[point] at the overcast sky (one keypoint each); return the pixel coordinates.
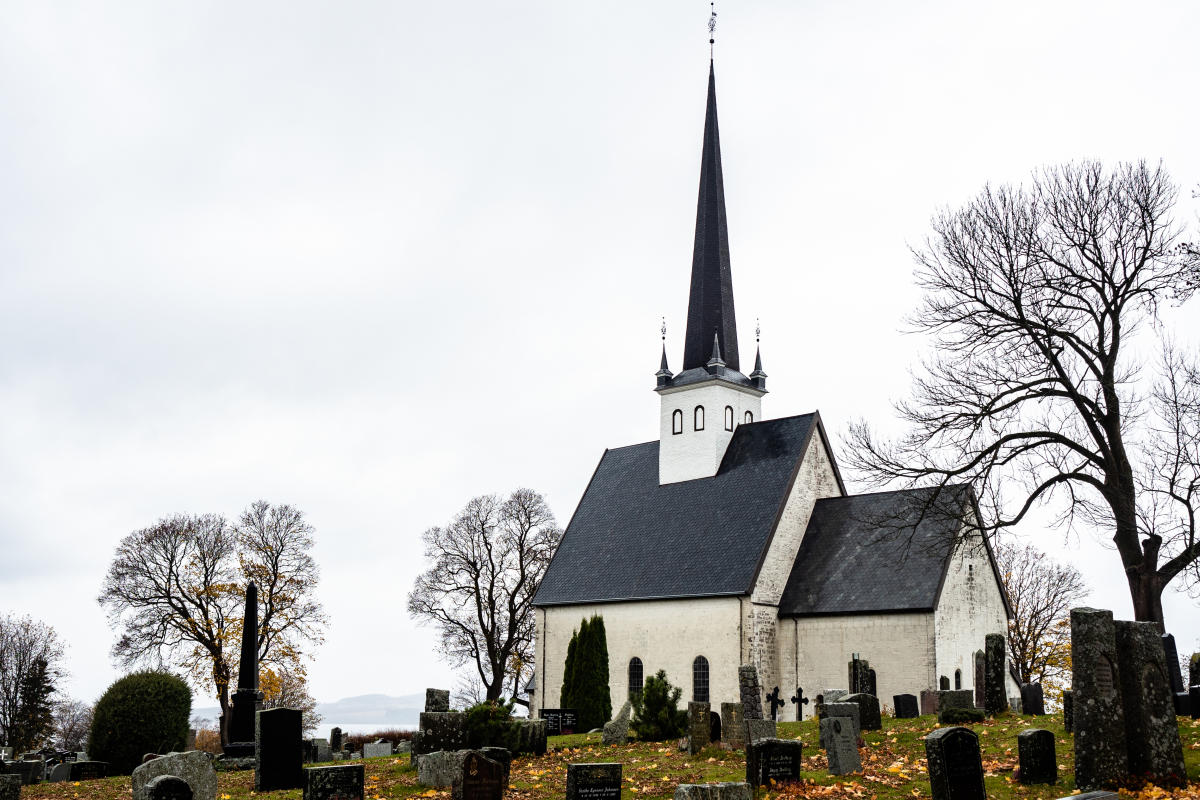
(373, 259)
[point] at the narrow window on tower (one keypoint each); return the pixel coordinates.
(728, 418)
(635, 677)
(698, 422)
(749, 416)
(700, 680)
(957, 679)
(677, 421)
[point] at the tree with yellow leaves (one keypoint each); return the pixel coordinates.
(175, 591)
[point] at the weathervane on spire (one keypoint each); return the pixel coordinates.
(712, 27)
(664, 330)
(757, 330)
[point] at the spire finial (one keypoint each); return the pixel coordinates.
(664, 372)
(712, 27)
(757, 330)
(664, 330)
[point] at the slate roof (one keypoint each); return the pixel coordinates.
(862, 554)
(632, 539)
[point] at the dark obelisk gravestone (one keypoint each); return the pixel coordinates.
(481, 779)
(167, 787)
(247, 699)
(1151, 730)
(1033, 701)
(905, 706)
(340, 782)
(1101, 760)
(955, 766)
(1035, 749)
(279, 750)
(995, 699)
(594, 781)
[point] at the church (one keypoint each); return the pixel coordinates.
(731, 539)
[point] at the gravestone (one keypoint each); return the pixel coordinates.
(480, 779)
(834, 695)
(1068, 703)
(1172, 656)
(1101, 757)
(594, 781)
(616, 731)
(437, 700)
(31, 770)
(714, 791)
(441, 769)
(962, 698)
(1194, 670)
(995, 699)
(775, 702)
(774, 760)
(944, 684)
(849, 713)
(697, 727)
(954, 763)
(869, 718)
(559, 721)
(858, 675)
(168, 787)
(335, 740)
(980, 671)
(714, 727)
(905, 706)
(194, 766)
(1035, 751)
(750, 691)
(10, 785)
(246, 701)
(531, 736)
(1151, 731)
(323, 751)
(871, 688)
(441, 730)
(6, 753)
(1194, 700)
(59, 773)
(759, 729)
(377, 749)
(1183, 704)
(339, 782)
(278, 755)
(840, 741)
(929, 701)
(800, 701)
(1033, 701)
(733, 725)
(502, 757)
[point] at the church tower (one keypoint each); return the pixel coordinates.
(710, 397)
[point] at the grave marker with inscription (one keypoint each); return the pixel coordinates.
(905, 706)
(995, 699)
(954, 763)
(1101, 757)
(559, 721)
(168, 787)
(594, 781)
(775, 760)
(1035, 751)
(840, 741)
(698, 727)
(733, 725)
(1151, 731)
(480, 779)
(339, 782)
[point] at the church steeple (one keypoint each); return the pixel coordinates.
(710, 302)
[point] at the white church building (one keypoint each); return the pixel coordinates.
(731, 539)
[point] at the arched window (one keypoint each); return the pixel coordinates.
(635, 677)
(958, 679)
(700, 680)
(728, 418)
(698, 418)
(749, 416)
(677, 421)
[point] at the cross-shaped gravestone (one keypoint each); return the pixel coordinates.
(800, 700)
(775, 701)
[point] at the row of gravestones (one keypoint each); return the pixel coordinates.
(35, 770)
(955, 762)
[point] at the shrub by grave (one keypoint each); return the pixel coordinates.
(144, 712)
(490, 724)
(656, 710)
(957, 716)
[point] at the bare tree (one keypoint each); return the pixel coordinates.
(478, 592)
(1041, 593)
(284, 689)
(72, 721)
(1032, 297)
(175, 593)
(31, 657)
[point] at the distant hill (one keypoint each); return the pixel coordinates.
(364, 709)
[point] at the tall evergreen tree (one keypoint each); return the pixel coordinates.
(599, 696)
(34, 718)
(566, 695)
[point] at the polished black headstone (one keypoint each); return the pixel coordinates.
(954, 763)
(772, 760)
(869, 718)
(279, 750)
(1033, 701)
(1035, 749)
(944, 683)
(339, 782)
(906, 706)
(88, 770)
(593, 781)
(480, 779)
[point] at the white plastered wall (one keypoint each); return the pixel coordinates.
(697, 454)
(970, 607)
(664, 634)
(815, 652)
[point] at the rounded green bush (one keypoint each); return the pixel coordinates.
(957, 716)
(145, 712)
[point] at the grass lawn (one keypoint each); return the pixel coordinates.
(893, 768)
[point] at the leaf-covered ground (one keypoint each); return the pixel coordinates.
(893, 768)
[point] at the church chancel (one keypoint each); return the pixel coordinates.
(731, 539)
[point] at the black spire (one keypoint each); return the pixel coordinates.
(710, 303)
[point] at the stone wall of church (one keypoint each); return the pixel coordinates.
(664, 634)
(816, 479)
(970, 607)
(815, 651)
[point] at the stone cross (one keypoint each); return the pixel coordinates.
(800, 700)
(775, 701)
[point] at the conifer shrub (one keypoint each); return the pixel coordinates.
(585, 675)
(144, 712)
(566, 695)
(656, 714)
(490, 724)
